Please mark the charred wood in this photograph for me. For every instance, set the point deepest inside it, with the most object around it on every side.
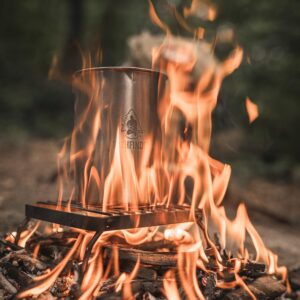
(162, 259)
(14, 272)
(144, 272)
(139, 288)
(10, 245)
(22, 259)
(294, 276)
(265, 287)
(7, 286)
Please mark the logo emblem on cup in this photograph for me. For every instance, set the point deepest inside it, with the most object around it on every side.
(132, 129)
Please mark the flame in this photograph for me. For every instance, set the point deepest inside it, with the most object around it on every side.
(26, 234)
(156, 20)
(45, 281)
(124, 282)
(202, 9)
(252, 110)
(93, 274)
(174, 169)
(36, 250)
(170, 286)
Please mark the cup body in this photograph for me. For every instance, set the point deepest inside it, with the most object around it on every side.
(116, 110)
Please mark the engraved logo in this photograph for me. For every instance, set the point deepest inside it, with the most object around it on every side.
(132, 129)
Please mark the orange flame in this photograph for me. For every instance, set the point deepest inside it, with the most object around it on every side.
(252, 110)
(201, 9)
(123, 282)
(170, 286)
(26, 234)
(45, 281)
(156, 20)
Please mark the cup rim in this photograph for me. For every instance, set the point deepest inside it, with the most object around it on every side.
(119, 69)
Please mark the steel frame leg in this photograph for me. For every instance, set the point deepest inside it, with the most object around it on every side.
(89, 250)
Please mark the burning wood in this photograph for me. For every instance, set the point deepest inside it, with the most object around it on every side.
(149, 279)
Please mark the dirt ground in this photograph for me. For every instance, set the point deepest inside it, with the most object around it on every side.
(28, 171)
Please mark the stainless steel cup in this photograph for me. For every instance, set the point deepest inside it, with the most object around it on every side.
(114, 102)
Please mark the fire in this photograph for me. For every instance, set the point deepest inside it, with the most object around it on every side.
(45, 281)
(173, 166)
(252, 110)
(170, 286)
(202, 9)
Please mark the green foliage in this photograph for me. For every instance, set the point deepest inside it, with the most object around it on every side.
(268, 31)
(31, 32)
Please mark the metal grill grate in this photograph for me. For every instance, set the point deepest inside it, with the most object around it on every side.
(93, 219)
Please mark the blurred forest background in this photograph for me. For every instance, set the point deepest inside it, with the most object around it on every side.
(33, 31)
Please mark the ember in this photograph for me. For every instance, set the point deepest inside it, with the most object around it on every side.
(145, 195)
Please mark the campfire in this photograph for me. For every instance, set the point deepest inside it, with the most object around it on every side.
(139, 213)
